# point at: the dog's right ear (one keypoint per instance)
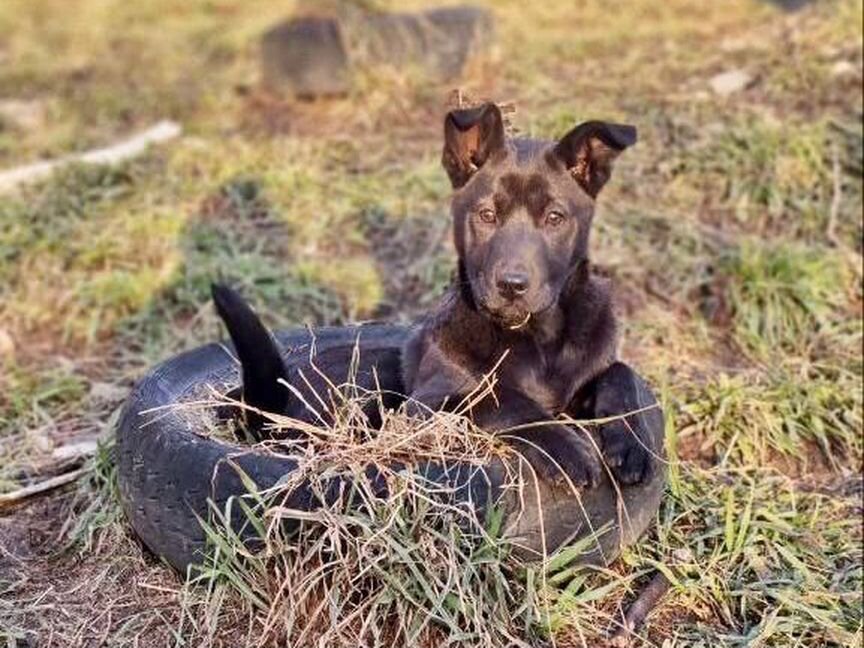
(471, 137)
(260, 359)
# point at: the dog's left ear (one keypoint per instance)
(589, 150)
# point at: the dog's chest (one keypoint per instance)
(550, 379)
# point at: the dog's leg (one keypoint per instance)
(628, 440)
(553, 449)
(259, 356)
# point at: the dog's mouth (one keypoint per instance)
(510, 318)
(513, 316)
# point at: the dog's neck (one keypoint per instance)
(547, 327)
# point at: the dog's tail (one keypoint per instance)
(259, 356)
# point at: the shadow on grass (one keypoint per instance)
(235, 237)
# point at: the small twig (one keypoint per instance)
(639, 610)
(76, 451)
(64, 459)
(10, 499)
(457, 99)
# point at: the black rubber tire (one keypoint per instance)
(167, 471)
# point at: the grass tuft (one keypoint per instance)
(785, 297)
(413, 567)
(809, 421)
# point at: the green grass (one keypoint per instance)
(770, 170)
(405, 571)
(765, 560)
(732, 234)
(786, 298)
(45, 219)
(809, 419)
(31, 400)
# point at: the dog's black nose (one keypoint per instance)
(513, 283)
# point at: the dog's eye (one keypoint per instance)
(554, 218)
(486, 215)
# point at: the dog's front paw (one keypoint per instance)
(581, 465)
(625, 453)
(561, 455)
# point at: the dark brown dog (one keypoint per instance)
(525, 304)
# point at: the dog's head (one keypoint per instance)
(522, 209)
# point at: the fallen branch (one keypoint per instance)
(639, 610)
(134, 146)
(64, 459)
(76, 451)
(10, 499)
